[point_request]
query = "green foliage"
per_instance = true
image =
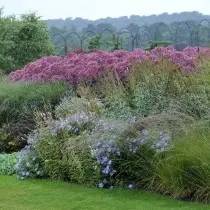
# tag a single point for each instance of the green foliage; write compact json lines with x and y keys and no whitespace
{"x":65,"y":147}
{"x":19,"y":101}
{"x":7,"y":162}
{"x":114,"y":96}
{"x":153,"y":44}
{"x":29,"y":164}
{"x":82,"y":166}
{"x":70,"y":106}
{"x":162,"y":87}
{"x":9,"y":143}
{"x":94,"y":43}
{"x":50,"y":148}
{"x":183,"y":172}
{"x":22,"y":41}
{"x":117,"y":45}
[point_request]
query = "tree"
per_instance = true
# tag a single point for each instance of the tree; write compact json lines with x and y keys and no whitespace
{"x":23,"y":40}
{"x":94,"y":43}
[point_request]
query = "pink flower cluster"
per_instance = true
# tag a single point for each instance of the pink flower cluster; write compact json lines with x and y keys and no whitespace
{"x":75,"y":67}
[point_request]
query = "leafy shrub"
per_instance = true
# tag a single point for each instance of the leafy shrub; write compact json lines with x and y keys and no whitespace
{"x":29,"y":164}
{"x":114,"y":96}
{"x":127,"y":158}
{"x":18,"y":102}
{"x":82,"y":165}
{"x":8,"y":143}
{"x":70,"y":106}
{"x":183,"y":172}
{"x":7,"y":162}
{"x":153,"y":44}
{"x":22,"y":40}
{"x":56,"y":139}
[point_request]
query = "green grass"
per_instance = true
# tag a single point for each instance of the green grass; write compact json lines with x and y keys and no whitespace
{"x":46,"y":194}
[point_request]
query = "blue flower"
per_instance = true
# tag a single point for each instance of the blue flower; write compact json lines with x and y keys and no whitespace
{"x":118,"y":153}
{"x":106,"y":170}
{"x":109,"y":162}
{"x":135,"y":149}
{"x":112,"y":172}
{"x":28,"y":164}
{"x":145,"y":133}
{"x":130,"y":186}
{"x":101,"y":185}
{"x":104,"y":160}
{"x":23,"y":173}
{"x":75,"y":118}
{"x":16,"y":166}
{"x":76,"y":130}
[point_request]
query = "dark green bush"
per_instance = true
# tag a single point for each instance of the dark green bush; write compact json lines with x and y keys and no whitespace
{"x":18,"y":102}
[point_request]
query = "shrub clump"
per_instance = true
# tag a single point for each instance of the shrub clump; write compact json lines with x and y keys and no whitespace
{"x":18,"y":103}
{"x":7,"y":162}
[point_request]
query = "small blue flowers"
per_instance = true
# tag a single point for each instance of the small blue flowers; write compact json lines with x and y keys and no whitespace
{"x":145,"y":133}
{"x":101,"y":185}
{"x":104,"y":160}
{"x":76,"y":130}
{"x":106,"y":170}
{"x":162,"y":144}
{"x":112,"y":172}
{"x":130,"y":186}
{"x":23,"y":173}
{"x":109,"y":162}
{"x":28,"y":164}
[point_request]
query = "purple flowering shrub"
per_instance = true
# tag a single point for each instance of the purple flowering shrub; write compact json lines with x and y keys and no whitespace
{"x":76,"y":67}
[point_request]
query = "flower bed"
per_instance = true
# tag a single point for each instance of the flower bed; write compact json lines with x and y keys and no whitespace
{"x":75,"y":67}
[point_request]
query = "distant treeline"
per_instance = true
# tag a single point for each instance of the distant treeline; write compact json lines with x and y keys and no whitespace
{"x":105,"y":36}
{"x":118,"y":23}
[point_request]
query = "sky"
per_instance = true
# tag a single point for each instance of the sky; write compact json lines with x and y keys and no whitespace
{"x":95,"y":9}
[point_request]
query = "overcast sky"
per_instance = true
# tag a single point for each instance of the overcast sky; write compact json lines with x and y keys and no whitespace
{"x":94,"y":9}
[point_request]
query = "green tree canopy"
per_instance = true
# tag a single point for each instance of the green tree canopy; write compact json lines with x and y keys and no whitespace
{"x":22,"y":40}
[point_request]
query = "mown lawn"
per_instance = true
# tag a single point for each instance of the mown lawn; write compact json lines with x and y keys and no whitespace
{"x":46,"y":194}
